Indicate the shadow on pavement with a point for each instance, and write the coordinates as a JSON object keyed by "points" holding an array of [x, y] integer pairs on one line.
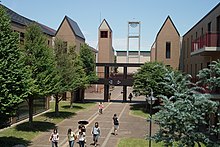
{"points": [[12, 141]]}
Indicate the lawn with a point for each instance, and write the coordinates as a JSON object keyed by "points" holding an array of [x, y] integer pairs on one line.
{"points": [[23, 133]]}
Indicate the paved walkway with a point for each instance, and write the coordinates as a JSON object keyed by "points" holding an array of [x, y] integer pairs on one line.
{"points": [[130, 126]]}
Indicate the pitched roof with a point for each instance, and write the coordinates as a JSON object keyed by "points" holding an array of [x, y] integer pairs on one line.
{"points": [[19, 19], [104, 20], [74, 26], [203, 18], [168, 18]]}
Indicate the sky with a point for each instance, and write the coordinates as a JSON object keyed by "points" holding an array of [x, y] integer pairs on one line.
{"points": [[89, 13]]}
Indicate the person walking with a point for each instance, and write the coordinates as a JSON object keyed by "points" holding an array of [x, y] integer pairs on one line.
{"points": [[82, 138], [101, 106], [96, 133], [130, 97], [54, 138], [71, 137], [116, 124]]}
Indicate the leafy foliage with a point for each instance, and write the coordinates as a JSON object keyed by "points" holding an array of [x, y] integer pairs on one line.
{"points": [[14, 77], [184, 112], [148, 77], [210, 77], [88, 59], [41, 62]]}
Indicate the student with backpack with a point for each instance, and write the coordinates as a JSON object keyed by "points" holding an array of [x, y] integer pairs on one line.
{"points": [[116, 124]]}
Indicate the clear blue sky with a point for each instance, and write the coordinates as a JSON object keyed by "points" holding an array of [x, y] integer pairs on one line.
{"points": [[151, 13]]}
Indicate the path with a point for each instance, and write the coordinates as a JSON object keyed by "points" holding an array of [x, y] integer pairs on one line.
{"points": [[130, 126]]}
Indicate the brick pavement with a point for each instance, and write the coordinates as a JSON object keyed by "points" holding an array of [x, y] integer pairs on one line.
{"points": [[130, 126]]}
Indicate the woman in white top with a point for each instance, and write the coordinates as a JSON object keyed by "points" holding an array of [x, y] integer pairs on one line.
{"points": [[82, 137], [54, 138], [71, 137]]}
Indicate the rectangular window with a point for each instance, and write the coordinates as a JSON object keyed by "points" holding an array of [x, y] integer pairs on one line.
{"points": [[65, 47], [168, 46], [104, 34], [21, 38], [187, 50], [209, 27], [201, 66]]}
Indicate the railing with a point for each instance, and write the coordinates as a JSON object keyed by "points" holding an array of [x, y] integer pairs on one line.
{"points": [[207, 40]]}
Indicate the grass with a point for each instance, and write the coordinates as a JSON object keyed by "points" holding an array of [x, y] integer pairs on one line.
{"points": [[23, 133], [134, 142], [139, 110]]}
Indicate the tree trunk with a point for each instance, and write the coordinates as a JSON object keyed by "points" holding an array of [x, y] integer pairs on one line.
{"points": [[82, 91], [72, 99], [30, 105], [57, 104]]}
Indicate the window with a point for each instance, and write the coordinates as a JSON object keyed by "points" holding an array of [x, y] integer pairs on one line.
{"points": [[65, 47], [104, 34], [168, 46], [48, 42], [202, 32], [21, 38], [209, 27], [201, 66]]}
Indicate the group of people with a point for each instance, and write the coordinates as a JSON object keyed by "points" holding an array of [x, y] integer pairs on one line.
{"points": [[81, 135]]}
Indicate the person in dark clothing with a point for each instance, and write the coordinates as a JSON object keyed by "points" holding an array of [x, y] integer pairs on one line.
{"points": [[130, 97], [116, 124]]}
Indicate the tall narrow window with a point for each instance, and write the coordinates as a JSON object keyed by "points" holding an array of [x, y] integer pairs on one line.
{"points": [[65, 47], [168, 46], [209, 27], [104, 34]]}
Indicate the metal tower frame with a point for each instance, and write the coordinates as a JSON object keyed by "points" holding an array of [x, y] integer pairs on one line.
{"points": [[137, 35]]}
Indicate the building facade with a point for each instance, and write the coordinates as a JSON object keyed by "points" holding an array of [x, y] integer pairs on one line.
{"points": [[121, 57], [201, 44], [70, 33], [105, 49], [166, 47]]}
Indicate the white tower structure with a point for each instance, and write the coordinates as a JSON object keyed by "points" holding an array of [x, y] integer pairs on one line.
{"points": [[134, 34]]}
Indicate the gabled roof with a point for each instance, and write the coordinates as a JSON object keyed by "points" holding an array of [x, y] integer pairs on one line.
{"points": [[106, 23], [203, 18], [168, 18], [21, 20], [74, 27]]}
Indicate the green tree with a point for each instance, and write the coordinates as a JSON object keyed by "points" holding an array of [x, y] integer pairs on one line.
{"points": [[40, 59], [88, 62], [70, 71], [184, 112], [88, 59], [209, 78], [148, 77], [14, 76]]}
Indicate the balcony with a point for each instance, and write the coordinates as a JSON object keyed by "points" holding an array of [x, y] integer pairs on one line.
{"points": [[206, 45]]}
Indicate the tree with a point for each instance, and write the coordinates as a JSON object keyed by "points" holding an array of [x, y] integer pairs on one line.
{"points": [[14, 76], [70, 71], [88, 62], [41, 62], [88, 59], [184, 113], [148, 78], [209, 78]]}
